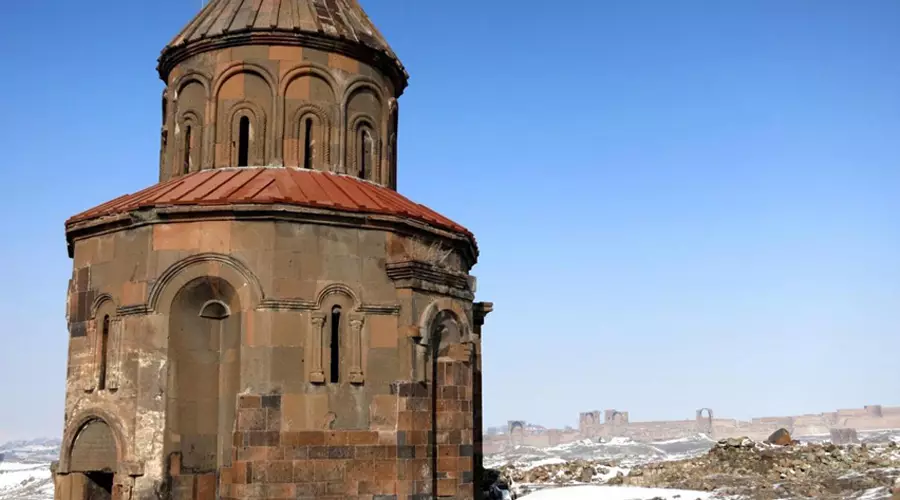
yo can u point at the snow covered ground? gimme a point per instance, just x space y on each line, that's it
25 481
25 469
587 467
615 493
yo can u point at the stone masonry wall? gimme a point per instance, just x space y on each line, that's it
125 275
396 460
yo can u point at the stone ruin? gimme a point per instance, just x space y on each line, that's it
842 425
844 436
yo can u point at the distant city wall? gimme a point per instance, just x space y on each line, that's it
613 423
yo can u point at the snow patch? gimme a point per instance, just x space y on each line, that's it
616 493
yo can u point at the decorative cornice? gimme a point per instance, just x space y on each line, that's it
388 65
273 212
425 286
414 270
287 304
133 310
282 304
380 309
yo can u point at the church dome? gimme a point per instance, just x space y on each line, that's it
339 26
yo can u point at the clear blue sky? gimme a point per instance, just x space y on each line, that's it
679 204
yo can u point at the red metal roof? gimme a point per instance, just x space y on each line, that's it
273 185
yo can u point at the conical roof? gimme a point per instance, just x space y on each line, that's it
338 25
272 186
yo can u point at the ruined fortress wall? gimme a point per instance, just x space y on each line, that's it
854 412
872 424
868 418
890 411
652 431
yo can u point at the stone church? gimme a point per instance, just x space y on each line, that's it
273 319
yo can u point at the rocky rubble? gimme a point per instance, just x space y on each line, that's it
576 471
767 471
734 468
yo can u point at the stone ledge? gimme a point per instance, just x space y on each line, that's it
418 271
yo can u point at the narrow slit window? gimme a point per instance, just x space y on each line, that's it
244 142
307 143
104 347
364 150
393 160
335 344
187 150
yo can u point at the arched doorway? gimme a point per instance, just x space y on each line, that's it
95 459
705 420
204 374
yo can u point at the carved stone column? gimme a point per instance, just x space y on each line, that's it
114 356
92 373
421 367
356 371
316 373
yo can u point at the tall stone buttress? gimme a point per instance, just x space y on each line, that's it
272 319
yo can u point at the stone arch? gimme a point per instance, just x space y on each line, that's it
99 302
104 341
336 340
188 161
424 348
319 78
215 309
444 330
368 152
705 420
229 268
615 417
258 136
189 77
265 114
205 329
190 98
200 103
432 311
322 135
82 420
337 289
243 67
304 70
358 83
351 112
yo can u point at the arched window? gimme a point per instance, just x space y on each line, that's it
104 352
186 168
308 143
244 142
335 358
215 309
365 147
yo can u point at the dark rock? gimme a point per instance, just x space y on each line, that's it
781 437
618 480
494 484
587 474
